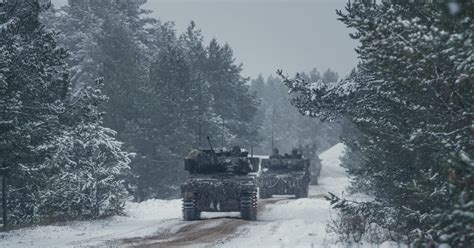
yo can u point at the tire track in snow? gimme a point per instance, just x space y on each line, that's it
204 233
106 238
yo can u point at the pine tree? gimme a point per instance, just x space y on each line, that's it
49 140
233 101
33 82
410 97
282 121
109 40
160 99
166 138
86 171
199 116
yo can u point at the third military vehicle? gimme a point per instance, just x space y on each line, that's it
284 175
315 170
220 181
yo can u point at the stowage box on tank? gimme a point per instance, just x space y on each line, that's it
284 175
219 181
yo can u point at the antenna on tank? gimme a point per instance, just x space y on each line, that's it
222 134
273 124
200 113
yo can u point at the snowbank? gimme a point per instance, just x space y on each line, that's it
142 219
333 177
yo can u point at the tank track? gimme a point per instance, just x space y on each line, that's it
302 192
248 205
190 212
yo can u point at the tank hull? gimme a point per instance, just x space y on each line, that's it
220 181
220 193
284 177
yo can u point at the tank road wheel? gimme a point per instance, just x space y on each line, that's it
302 192
248 205
190 212
264 194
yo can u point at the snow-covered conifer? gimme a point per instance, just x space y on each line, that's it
412 99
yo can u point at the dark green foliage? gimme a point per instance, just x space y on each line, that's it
87 169
161 87
232 99
357 220
64 164
278 118
411 98
33 83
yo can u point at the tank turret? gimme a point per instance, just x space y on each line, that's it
209 161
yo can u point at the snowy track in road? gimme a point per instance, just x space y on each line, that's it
282 222
146 218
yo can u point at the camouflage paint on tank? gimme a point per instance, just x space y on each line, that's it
284 175
219 181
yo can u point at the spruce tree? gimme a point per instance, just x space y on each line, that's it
160 100
233 101
43 129
33 83
282 121
410 97
87 168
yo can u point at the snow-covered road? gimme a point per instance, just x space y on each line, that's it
298 222
282 222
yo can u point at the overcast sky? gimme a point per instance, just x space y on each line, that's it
266 35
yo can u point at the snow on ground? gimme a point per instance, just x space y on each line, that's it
283 222
333 177
299 222
142 219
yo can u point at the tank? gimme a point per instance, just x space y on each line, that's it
284 175
220 181
315 170
310 152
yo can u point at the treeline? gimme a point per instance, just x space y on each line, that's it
167 91
77 80
282 124
412 99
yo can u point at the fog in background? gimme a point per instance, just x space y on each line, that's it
109 113
267 35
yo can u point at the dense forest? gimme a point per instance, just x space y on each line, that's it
110 100
282 123
166 91
411 99
100 103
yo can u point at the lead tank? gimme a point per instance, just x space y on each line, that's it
285 175
220 181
